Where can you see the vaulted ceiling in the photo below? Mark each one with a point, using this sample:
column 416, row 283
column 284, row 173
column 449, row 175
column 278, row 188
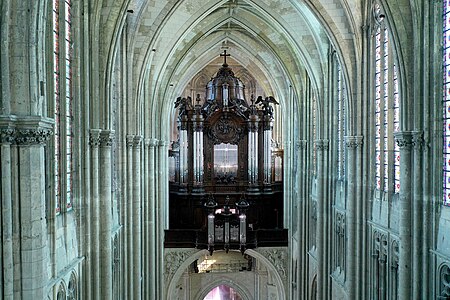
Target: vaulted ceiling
column 279, row 42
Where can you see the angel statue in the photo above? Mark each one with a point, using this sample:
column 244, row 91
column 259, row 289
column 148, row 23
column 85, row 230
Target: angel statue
column 183, row 104
column 268, row 110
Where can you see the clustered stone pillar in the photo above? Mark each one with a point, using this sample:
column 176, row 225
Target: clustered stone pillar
column 23, row 194
column 129, row 218
column 404, row 140
column 352, row 143
column 303, row 219
column 151, row 255
column 7, row 274
column 105, row 183
column 417, row 218
column 137, row 263
column 94, row 141
column 161, row 214
column 322, row 276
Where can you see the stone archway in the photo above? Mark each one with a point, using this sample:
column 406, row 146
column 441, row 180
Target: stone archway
column 176, row 262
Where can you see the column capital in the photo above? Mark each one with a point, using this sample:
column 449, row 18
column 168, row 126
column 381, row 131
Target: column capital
column 354, row 141
column 152, row 143
column 106, row 138
column 27, row 130
column 418, row 140
column 301, row 144
column 137, row 139
column 129, row 140
column 404, row 139
column 94, row 137
column 321, row 144
column 163, row 143
column 7, row 135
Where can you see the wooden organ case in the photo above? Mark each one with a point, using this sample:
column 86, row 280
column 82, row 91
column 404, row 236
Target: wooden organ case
column 226, row 188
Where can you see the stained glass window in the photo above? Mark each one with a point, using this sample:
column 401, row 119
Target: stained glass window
column 57, row 96
column 63, row 138
column 387, row 111
column 446, row 99
column 341, row 92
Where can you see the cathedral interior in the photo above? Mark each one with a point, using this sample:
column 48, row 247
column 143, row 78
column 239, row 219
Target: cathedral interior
column 225, row 149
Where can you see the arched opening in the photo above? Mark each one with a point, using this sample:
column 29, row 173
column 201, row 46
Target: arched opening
column 223, row 292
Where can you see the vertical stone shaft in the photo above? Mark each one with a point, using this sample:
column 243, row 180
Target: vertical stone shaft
column 321, row 146
column 137, row 264
column 6, row 221
column 404, row 141
column 33, row 233
column 303, row 239
column 151, row 256
column 352, row 142
column 145, row 223
column 417, row 218
column 95, row 208
column 161, row 217
column 129, row 221
column 105, row 183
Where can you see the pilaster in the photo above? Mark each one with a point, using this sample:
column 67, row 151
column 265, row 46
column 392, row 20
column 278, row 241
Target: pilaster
column 404, row 140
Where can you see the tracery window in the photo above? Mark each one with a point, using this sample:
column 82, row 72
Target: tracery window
column 446, row 99
column 62, row 74
column 387, row 109
column 341, row 94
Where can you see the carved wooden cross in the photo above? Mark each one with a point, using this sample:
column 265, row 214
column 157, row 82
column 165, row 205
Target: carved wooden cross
column 224, row 54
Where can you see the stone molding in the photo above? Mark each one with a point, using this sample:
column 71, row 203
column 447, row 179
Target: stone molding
column 25, row 131
column 278, row 258
column 353, row 141
column 404, row 139
column 173, row 259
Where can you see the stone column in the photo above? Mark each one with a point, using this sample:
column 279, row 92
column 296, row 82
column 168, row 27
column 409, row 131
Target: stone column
column 30, row 137
column 137, row 264
column 404, row 141
column 322, row 288
column 105, row 221
column 146, row 234
column 94, row 142
column 6, row 248
column 302, row 228
column 152, row 237
column 129, row 213
column 161, row 214
column 417, row 217
column 352, row 143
